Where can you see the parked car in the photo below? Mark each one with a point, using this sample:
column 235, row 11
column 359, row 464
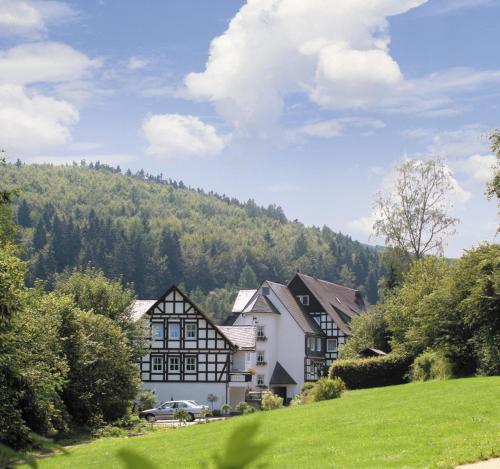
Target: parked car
column 167, row 410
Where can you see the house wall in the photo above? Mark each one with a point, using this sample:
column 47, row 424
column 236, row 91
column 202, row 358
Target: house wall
column 190, row 391
column 285, row 343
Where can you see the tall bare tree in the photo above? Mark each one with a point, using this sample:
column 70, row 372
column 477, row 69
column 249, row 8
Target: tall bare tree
column 412, row 215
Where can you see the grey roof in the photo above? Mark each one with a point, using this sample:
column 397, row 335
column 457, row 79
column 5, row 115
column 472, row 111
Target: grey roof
column 260, row 304
column 242, row 336
column 139, row 308
column 341, row 303
column 280, row 376
column 306, row 323
column 244, row 296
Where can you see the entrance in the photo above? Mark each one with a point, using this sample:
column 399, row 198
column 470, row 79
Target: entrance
column 281, row 392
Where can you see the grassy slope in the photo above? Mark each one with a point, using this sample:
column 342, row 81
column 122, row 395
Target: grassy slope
column 434, row 424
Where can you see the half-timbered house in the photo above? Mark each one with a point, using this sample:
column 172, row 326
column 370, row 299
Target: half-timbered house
column 190, row 357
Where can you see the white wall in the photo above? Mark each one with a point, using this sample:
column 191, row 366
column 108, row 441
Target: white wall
column 189, row 391
column 285, row 343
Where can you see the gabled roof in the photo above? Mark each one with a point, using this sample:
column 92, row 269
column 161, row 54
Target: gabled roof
column 341, row 303
column 242, row 299
column 140, row 308
column 260, row 304
column 306, row 323
column 243, row 337
column 280, row 376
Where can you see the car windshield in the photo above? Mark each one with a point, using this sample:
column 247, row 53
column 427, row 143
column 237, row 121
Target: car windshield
column 166, row 405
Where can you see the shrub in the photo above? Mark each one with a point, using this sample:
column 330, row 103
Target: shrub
column 146, row 399
column 109, row 431
column 181, row 415
column 431, row 365
column 371, row 372
column 327, row 388
column 306, row 388
column 242, row 407
column 225, row 409
column 270, row 401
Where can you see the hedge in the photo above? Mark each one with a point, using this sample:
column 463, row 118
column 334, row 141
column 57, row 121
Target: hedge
column 371, row 372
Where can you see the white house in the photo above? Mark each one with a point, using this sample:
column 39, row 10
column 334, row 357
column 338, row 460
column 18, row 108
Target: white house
column 277, row 338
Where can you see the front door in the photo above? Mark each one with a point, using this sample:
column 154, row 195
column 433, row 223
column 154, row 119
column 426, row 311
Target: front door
column 280, row 391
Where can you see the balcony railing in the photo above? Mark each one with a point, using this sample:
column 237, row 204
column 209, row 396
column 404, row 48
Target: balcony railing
column 240, row 376
column 262, row 338
column 262, row 363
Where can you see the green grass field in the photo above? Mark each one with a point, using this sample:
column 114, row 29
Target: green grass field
column 433, row 424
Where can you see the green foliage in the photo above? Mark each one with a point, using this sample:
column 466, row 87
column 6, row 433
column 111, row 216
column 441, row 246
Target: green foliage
column 368, row 331
column 145, row 399
column 91, row 290
column 270, row 401
column 242, row 407
column 327, row 388
column 205, row 413
column 181, row 415
column 371, row 372
column 103, row 377
column 431, row 365
column 248, row 279
column 152, row 233
column 493, row 187
column 225, row 409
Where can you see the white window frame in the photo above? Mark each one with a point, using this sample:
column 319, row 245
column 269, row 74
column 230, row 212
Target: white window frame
column 262, row 354
column 318, row 344
column 157, row 331
column 260, row 380
column 261, row 331
column 174, row 367
column 330, row 349
column 304, row 299
column 190, row 364
column 191, row 330
column 171, row 326
column 156, row 363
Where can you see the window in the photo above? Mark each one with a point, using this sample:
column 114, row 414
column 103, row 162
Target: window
column 157, row 363
column 265, row 291
column 157, row 330
column 260, row 356
column 261, row 334
column 260, row 380
column 190, row 364
column 174, row 331
column 331, row 345
column 304, row 299
column 190, row 330
column 174, row 364
column 318, row 344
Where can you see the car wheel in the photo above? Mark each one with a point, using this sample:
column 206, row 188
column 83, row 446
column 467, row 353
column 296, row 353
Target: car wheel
column 150, row 418
column 190, row 418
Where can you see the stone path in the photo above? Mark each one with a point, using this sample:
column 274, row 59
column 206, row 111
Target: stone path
column 490, row 464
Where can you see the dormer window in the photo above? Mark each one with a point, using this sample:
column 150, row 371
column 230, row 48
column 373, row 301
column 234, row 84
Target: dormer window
column 304, row 299
column 265, row 291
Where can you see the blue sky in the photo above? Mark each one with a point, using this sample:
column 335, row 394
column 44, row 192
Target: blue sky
column 305, row 104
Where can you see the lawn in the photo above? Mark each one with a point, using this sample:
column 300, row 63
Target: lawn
column 433, row 424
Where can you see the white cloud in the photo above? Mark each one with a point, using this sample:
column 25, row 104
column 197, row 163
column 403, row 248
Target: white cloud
column 44, row 62
column 478, row 167
column 335, row 52
column 447, row 6
column 363, row 225
column 336, row 127
column 177, row 136
column 30, row 17
column 137, row 63
column 33, row 122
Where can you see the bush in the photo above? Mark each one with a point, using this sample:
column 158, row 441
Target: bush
column 431, row 365
column 270, row 401
column 109, row 431
column 242, row 407
column 326, row 388
column 146, row 399
column 371, row 372
column 225, row 409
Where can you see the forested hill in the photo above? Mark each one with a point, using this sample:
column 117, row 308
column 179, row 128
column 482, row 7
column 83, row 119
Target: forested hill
column 154, row 232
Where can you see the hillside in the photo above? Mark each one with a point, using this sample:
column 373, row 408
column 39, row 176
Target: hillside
column 153, row 232
column 429, row 424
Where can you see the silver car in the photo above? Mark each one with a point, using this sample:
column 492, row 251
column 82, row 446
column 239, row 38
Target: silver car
column 167, row 410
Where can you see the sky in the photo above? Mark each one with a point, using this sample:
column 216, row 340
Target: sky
column 305, row 104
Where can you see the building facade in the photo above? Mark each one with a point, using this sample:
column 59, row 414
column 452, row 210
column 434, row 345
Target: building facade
column 277, row 337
